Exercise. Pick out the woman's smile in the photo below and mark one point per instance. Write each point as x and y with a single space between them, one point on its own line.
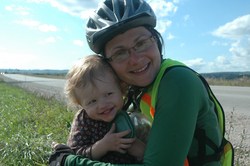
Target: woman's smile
144 68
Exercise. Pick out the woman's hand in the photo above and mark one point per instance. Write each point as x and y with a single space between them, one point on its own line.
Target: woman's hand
137 149
112 142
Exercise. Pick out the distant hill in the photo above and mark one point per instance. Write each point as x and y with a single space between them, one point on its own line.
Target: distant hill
34 72
215 75
227 75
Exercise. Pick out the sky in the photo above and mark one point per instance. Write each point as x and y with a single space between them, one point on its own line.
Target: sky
207 35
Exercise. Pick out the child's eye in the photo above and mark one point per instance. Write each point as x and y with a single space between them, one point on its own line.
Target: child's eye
110 93
91 102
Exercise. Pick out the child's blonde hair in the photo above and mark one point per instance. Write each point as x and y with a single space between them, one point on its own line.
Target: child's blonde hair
84 73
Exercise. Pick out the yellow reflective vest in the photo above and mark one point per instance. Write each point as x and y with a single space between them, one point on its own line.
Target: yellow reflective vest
148 103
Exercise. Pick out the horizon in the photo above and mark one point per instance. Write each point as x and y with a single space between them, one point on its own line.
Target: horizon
208 36
33 70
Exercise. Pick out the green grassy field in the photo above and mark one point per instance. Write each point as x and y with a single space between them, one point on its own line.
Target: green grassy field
29 124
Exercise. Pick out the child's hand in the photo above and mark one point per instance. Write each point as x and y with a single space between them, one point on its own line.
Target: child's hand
115 141
111 142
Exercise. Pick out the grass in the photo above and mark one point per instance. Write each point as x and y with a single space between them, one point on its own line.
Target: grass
29 124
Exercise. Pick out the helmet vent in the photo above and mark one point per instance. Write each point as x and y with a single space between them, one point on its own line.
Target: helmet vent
91 24
121 9
137 4
109 5
103 15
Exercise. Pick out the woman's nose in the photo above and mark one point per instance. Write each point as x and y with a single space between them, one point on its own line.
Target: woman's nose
133 56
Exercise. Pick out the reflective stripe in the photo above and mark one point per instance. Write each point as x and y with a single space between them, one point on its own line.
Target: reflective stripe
226 158
145 105
186 162
147 99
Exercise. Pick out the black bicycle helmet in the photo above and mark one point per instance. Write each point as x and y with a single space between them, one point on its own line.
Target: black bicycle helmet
114 17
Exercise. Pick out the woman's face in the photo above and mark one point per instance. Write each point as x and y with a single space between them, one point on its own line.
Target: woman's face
135 56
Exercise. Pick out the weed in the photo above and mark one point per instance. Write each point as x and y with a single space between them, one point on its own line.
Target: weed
241 151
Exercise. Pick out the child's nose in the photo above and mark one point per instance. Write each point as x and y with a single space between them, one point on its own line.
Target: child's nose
103 103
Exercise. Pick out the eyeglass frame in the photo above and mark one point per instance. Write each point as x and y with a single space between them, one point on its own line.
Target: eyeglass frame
127 51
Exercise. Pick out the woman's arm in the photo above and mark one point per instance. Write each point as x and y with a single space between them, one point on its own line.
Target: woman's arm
177 107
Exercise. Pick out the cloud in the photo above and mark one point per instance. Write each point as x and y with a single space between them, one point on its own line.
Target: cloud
224 63
241 54
195 64
18 10
163 25
49 40
21 59
78 43
238 33
170 36
78 8
29 23
218 43
47 28
83 9
186 17
15 59
222 60
37 25
221 63
163 8
238 28
182 44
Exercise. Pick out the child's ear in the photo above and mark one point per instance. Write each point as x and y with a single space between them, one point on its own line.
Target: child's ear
124 87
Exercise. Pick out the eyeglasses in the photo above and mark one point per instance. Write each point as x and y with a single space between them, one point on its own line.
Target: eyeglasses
123 54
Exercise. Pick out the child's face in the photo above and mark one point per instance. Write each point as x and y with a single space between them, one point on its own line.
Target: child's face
103 100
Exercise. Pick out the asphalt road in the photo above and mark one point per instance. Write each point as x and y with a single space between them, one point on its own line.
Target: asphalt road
232 98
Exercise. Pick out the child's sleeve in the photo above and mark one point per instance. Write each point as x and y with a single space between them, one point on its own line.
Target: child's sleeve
79 141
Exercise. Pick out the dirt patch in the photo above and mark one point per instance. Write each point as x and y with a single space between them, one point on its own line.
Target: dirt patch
237 131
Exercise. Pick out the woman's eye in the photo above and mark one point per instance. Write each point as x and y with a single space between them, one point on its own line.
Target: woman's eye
140 43
119 53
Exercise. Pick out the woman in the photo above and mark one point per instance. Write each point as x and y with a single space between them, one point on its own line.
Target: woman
123 32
